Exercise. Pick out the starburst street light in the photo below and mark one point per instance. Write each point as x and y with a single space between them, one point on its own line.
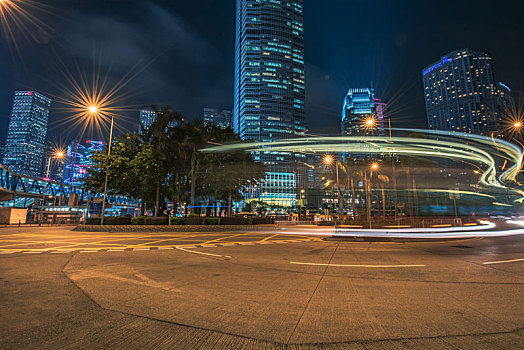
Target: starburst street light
93 109
517 124
328 160
374 166
370 122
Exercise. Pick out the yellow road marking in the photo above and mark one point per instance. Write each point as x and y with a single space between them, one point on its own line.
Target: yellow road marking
502 261
218 239
340 265
268 238
195 252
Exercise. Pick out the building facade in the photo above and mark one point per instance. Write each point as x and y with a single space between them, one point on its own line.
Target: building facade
147 118
461 93
79 161
362 113
270 88
222 119
26 134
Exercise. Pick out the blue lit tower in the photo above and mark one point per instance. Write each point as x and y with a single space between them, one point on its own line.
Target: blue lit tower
269 85
222 119
461 93
26 134
362 113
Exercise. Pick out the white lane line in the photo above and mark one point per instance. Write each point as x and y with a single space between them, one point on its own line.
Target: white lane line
9 252
165 248
195 252
88 251
340 265
140 249
502 261
61 252
115 250
32 252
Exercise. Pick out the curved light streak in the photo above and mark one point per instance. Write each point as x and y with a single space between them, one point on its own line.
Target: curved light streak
468 148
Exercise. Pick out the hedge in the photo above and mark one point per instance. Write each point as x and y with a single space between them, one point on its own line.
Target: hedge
150 220
178 221
326 223
263 220
212 221
110 220
236 220
139 220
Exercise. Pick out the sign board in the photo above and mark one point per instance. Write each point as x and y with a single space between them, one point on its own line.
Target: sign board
169 205
95 208
454 193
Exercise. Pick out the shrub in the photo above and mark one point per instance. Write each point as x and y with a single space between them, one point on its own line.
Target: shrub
326 223
149 220
119 220
139 220
212 221
195 220
263 220
236 220
92 221
178 221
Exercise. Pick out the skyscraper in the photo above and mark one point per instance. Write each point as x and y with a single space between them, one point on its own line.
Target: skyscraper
26 134
79 160
269 70
147 117
461 93
270 88
222 119
362 113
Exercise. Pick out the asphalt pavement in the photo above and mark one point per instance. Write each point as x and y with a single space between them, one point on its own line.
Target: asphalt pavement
255 290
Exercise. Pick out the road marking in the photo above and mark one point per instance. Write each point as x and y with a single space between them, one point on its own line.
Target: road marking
88 251
269 237
6 252
34 252
62 252
115 250
195 252
340 265
138 249
502 261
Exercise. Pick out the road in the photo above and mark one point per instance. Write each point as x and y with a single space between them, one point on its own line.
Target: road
251 290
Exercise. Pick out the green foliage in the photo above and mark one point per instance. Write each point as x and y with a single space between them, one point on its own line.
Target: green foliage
110 220
236 220
178 221
165 161
195 220
150 220
139 220
212 221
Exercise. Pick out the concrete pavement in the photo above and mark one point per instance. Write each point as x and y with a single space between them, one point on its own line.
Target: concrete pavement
307 294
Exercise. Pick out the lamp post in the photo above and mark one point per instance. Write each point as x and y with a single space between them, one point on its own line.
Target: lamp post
57 155
328 160
93 110
302 191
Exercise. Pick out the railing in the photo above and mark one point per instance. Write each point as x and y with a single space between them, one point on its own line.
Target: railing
26 186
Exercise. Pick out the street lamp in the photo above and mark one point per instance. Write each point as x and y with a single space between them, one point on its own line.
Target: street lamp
94 111
302 191
58 155
370 122
328 160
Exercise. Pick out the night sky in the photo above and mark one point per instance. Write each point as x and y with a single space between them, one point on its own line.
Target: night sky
183 52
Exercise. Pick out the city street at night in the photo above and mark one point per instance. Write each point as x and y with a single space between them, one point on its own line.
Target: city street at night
257 290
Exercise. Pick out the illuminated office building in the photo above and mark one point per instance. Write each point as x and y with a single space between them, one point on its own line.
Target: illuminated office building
222 119
362 113
26 134
461 93
147 118
270 88
79 161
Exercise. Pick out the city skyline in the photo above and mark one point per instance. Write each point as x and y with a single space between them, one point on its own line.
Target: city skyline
403 54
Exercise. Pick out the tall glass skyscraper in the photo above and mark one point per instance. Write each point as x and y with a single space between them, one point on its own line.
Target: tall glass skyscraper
362 113
26 134
270 87
79 161
461 93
